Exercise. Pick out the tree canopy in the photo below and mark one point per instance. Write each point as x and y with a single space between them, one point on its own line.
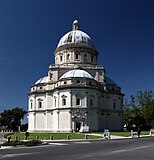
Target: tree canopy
140 110
11 118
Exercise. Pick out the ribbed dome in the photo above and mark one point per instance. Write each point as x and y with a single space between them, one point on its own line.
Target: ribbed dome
76 37
76 73
42 80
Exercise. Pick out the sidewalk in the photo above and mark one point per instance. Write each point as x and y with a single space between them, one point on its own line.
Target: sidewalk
116 137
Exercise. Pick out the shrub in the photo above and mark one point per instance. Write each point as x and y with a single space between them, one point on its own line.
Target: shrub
28 143
13 143
33 143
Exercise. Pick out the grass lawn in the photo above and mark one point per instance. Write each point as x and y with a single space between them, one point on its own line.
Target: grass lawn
145 133
65 136
53 136
124 134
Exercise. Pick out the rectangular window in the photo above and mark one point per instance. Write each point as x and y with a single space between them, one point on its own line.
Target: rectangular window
78 101
91 102
63 102
68 57
39 104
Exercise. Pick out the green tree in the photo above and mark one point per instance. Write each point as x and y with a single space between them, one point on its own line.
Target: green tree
132 116
148 113
140 110
17 115
146 103
6 118
12 118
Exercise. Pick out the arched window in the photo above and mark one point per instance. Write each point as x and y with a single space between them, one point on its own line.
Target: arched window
85 58
64 100
40 103
31 104
77 56
61 57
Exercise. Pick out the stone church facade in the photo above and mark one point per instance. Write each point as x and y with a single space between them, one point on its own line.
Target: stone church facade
75 93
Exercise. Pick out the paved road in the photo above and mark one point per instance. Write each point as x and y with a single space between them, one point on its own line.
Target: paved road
4 133
124 149
2 137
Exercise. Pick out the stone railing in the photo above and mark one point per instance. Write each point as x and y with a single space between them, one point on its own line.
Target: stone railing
73 66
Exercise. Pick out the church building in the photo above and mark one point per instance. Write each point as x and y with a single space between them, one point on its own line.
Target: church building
75 94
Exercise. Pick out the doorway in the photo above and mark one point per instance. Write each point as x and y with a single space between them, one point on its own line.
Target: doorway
78 125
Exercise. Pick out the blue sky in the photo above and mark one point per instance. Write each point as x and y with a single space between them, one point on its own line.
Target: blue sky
122 31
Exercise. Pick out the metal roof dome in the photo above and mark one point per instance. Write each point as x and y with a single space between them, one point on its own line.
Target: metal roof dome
76 73
76 37
42 80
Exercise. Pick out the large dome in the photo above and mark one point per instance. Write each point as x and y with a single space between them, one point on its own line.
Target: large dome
76 37
76 73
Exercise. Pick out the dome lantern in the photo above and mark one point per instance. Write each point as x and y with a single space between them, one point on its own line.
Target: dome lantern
75 25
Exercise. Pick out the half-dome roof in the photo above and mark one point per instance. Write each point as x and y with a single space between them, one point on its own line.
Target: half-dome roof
76 73
76 37
42 80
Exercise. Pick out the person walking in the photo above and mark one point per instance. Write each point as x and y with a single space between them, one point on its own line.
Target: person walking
138 131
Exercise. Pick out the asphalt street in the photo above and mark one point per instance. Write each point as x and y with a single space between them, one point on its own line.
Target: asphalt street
122 149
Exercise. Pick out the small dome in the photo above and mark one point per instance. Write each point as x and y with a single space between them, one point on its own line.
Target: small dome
75 22
76 37
77 73
42 80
